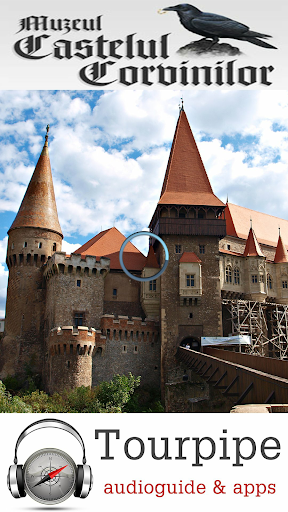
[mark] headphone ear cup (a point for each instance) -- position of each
(20, 481)
(79, 481)
(15, 481)
(84, 481)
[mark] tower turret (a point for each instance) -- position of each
(33, 237)
(188, 219)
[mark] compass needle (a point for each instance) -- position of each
(55, 482)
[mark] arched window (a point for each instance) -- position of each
(236, 275)
(269, 282)
(228, 274)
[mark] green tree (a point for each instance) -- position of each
(10, 403)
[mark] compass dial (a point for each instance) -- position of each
(49, 476)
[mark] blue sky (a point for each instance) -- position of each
(109, 152)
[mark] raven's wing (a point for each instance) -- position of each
(219, 25)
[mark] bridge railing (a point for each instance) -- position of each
(246, 385)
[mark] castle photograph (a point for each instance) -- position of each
(207, 175)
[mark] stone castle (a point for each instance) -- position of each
(79, 319)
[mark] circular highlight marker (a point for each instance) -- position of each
(144, 279)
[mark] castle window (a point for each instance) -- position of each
(269, 282)
(228, 247)
(54, 247)
(78, 283)
(261, 278)
(182, 214)
(254, 278)
(21, 258)
(236, 275)
(135, 349)
(201, 214)
(14, 259)
(228, 274)
(68, 364)
(25, 244)
(70, 269)
(178, 249)
(86, 271)
(124, 348)
(114, 293)
(190, 280)
(12, 246)
(190, 315)
(78, 270)
(202, 249)
(61, 268)
(125, 335)
(40, 245)
(79, 319)
(42, 257)
(152, 285)
(284, 284)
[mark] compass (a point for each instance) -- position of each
(49, 476)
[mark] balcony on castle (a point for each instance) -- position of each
(177, 226)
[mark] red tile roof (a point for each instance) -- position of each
(252, 247)
(151, 260)
(225, 251)
(189, 257)
(281, 252)
(186, 181)
(265, 226)
(108, 243)
(38, 208)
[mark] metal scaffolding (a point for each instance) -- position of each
(267, 324)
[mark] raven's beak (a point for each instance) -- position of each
(169, 9)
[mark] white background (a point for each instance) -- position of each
(120, 19)
(123, 470)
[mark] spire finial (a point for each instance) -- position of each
(46, 136)
(250, 223)
(227, 199)
(181, 104)
(279, 230)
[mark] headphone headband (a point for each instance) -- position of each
(49, 423)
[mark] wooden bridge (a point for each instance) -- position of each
(249, 379)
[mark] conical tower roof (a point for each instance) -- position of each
(252, 247)
(186, 181)
(38, 208)
(281, 252)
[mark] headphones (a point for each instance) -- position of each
(83, 475)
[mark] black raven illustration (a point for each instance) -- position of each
(215, 26)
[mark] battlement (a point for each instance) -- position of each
(122, 328)
(79, 340)
(60, 263)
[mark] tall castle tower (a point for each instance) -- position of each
(188, 219)
(33, 237)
